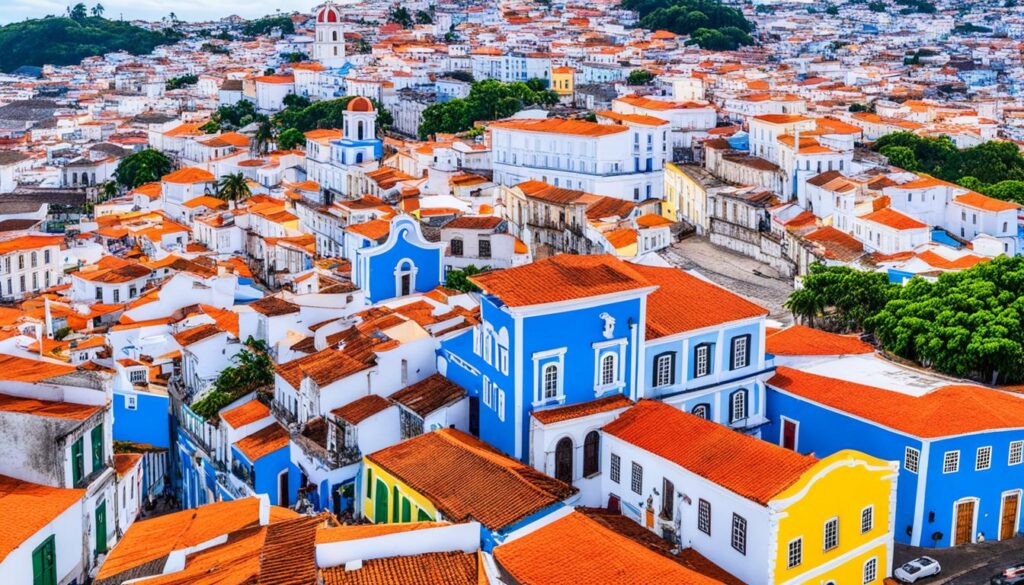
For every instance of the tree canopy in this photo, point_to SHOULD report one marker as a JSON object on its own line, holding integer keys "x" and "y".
{"x": 459, "y": 279}
{"x": 640, "y": 77}
{"x": 710, "y": 24}
{"x": 263, "y": 26}
{"x": 181, "y": 81}
{"x": 487, "y": 100}
{"x": 142, "y": 167}
{"x": 304, "y": 116}
{"x": 253, "y": 370}
{"x": 967, "y": 324}
{"x": 67, "y": 40}
{"x": 995, "y": 168}
{"x": 839, "y": 298}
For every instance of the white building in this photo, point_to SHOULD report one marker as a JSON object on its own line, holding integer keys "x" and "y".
{"x": 329, "y": 44}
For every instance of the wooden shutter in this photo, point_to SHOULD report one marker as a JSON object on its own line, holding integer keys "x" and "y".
{"x": 97, "y": 447}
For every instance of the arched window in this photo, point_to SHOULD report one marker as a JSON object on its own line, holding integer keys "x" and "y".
{"x": 738, "y": 405}
{"x": 550, "y": 381}
{"x": 359, "y": 130}
{"x": 608, "y": 369}
{"x": 563, "y": 460}
{"x": 702, "y": 410}
{"x": 334, "y": 36}
{"x": 591, "y": 453}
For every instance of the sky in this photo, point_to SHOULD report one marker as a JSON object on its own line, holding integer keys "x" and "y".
{"x": 192, "y": 10}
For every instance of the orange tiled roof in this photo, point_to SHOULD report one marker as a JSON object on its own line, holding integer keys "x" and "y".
{"x": 576, "y": 549}
{"x": 361, "y": 409}
{"x": 754, "y": 469}
{"x": 563, "y": 413}
{"x": 349, "y": 532}
{"x": 429, "y": 394}
{"x": 263, "y": 442}
{"x": 889, "y": 217}
{"x": 985, "y": 203}
{"x": 375, "y": 229}
{"x": 561, "y": 126}
{"x": 801, "y": 340}
{"x": 29, "y": 242}
{"x": 19, "y": 369}
{"x": 467, "y": 478}
{"x": 47, "y": 408}
{"x": 244, "y": 414}
{"x": 928, "y": 416}
{"x": 708, "y": 303}
{"x": 123, "y": 462}
{"x": 188, "y": 176}
{"x": 449, "y": 568}
{"x": 27, "y": 508}
{"x": 561, "y": 278}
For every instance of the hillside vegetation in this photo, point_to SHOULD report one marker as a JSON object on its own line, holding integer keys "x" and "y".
{"x": 65, "y": 41}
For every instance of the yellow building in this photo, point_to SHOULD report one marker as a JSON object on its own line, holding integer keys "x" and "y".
{"x": 387, "y": 499}
{"x": 562, "y": 80}
{"x": 686, "y": 194}
{"x": 835, "y": 523}
{"x": 765, "y": 514}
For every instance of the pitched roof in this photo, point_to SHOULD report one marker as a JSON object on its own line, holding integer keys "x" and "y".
{"x": 246, "y": 413}
{"x": 888, "y": 216}
{"x": 561, "y": 278}
{"x": 560, "y": 126}
{"x": 572, "y": 411}
{"x": 196, "y": 334}
{"x": 189, "y": 175}
{"x": 47, "y": 408}
{"x": 123, "y": 462}
{"x": 263, "y": 442}
{"x": 29, "y": 242}
{"x": 802, "y": 340}
{"x": 429, "y": 394}
{"x": 684, "y": 302}
{"x": 983, "y": 202}
{"x": 27, "y": 508}
{"x": 550, "y": 193}
{"x": 576, "y": 549}
{"x": 274, "y": 306}
{"x": 361, "y": 409}
{"x": 449, "y": 568}
{"x": 928, "y": 416}
{"x": 19, "y": 369}
{"x": 474, "y": 222}
{"x": 754, "y": 469}
{"x": 466, "y": 478}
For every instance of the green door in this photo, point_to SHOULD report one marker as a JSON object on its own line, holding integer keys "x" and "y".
{"x": 77, "y": 463}
{"x": 406, "y": 510}
{"x": 101, "y": 527}
{"x": 44, "y": 563}
{"x": 97, "y": 447}
{"x": 380, "y": 503}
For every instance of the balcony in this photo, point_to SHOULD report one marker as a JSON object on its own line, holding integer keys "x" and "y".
{"x": 313, "y": 443}
{"x": 282, "y": 414}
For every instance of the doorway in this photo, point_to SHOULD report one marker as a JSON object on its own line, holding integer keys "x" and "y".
{"x": 1008, "y": 520}
{"x": 964, "y": 522}
{"x": 789, "y": 429}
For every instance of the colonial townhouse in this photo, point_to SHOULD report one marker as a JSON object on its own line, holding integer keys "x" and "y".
{"x": 337, "y": 160}
{"x": 888, "y": 231}
{"x": 448, "y": 475}
{"x": 687, "y": 120}
{"x": 112, "y": 280}
{"x": 61, "y": 447}
{"x": 617, "y": 160}
{"x": 257, "y": 454}
{"x": 182, "y": 186}
{"x": 30, "y": 263}
{"x": 391, "y": 258}
{"x": 761, "y": 512}
{"x": 958, "y": 475}
{"x": 481, "y": 241}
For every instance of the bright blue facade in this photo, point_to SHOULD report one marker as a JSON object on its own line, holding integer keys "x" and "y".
{"x": 140, "y": 417}
{"x": 266, "y": 473}
{"x": 518, "y": 361}
{"x": 405, "y": 263}
{"x": 927, "y": 497}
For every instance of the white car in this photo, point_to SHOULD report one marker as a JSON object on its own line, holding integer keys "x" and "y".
{"x": 918, "y": 568}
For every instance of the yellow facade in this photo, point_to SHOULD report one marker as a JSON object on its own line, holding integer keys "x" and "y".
{"x": 562, "y": 79}
{"x": 383, "y": 491}
{"x": 673, "y": 179}
{"x": 837, "y": 490}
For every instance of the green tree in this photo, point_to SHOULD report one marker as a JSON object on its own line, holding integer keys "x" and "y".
{"x": 97, "y": 11}
{"x": 263, "y": 138}
{"x": 294, "y": 57}
{"x": 252, "y": 370}
{"x": 423, "y": 17}
{"x": 110, "y": 190}
{"x": 179, "y": 82}
{"x": 400, "y": 16}
{"x": 233, "y": 188}
{"x": 142, "y": 167}
{"x": 900, "y": 156}
{"x": 487, "y": 100}
{"x": 832, "y": 10}
{"x": 459, "y": 279}
{"x": 967, "y": 324}
{"x": 877, "y": 6}
{"x": 1006, "y": 190}
{"x": 839, "y": 298}
{"x": 77, "y": 12}
{"x": 327, "y": 114}
{"x": 640, "y": 77}
{"x": 290, "y": 139}
{"x": 268, "y": 24}
{"x": 296, "y": 101}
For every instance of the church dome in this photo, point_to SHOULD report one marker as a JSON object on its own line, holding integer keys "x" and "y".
{"x": 328, "y": 13}
{"x": 360, "y": 104}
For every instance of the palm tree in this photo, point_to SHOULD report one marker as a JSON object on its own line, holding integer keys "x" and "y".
{"x": 97, "y": 10}
{"x": 109, "y": 190}
{"x": 233, "y": 188}
{"x": 806, "y": 305}
{"x": 264, "y": 136}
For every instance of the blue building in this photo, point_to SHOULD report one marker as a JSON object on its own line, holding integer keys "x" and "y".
{"x": 959, "y": 446}
{"x": 144, "y": 419}
{"x": 262, "y": 461}
{"x": 573, "y": 329}
{"x": 359, "y": 142}
{"x": 404, "y": 263}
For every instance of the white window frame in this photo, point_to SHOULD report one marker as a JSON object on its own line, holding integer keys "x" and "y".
{"x": 663, "y": 370}
{"x": 616, "y": 468}
{"x": 1016, "y": 455}
{"x": 740, "y": 342}
{"x": 738, "y": 398}
{"x": 609, "y": 369}
{"x": 907, "y": 459}
{"x": 833, "y": 534}
{"x": 501, "y": 405}
{"x": 487, "y": 397}
{"x": 617, "y": 348}
{"x": 983, "y": 458}
{"x": 701, "y": 365}
{"x": 131, "y": 402}
{"x": 795, "y": 552}
{"x": 951, "y": 461}
{"x": 868, "y": 514}
{"x": 541, "y": 360}
{"x": 636, "y": 478}
{"x": 870, "y": 573}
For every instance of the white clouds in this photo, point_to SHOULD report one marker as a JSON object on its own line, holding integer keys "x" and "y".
{"x": 193, "y": 10}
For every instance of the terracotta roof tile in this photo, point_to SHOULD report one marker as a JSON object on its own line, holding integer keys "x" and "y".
{"x": 573, "y": 411}
{"x": 576, "y": 549}
{"x": 429, "y": 394}
{"x": 47, "y": 408}
{"x": 244, "y": 414}
{"x": 274, "y": 306}
{"x": 889, "y": 217}
{"x": 361, "y": 409}
{"x": 123, "y": 462}
{"x": 983, "y": 202}
{"x": 560, "y": 126}
{"x": 27, "y": 508}
{"x": 350, "y": 532}
{"x": 263, "y": 442}
{"x": 466, "y": 478}
{"x": 449, "y": 568}
{"x": 928, "y": 416}
{"x": 800, "y": 340}
{"x": 189, "y": 175}
{"x": 754, "y": 469}
{"x": 196, "y": 334}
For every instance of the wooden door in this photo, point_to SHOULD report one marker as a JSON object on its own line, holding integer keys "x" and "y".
{"x": 44, "y": 563}
{"x": 789, "y": 434}
{"x": 1008, "y": 524}
{"x": 406, "y": 285}
{"x": 101, "y": 527}
{"x": 380, "y": 503}
{"x": 964, "y": 523}
{"x": 563, "y": 460}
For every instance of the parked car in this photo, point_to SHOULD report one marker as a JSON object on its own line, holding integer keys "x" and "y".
{"x": 918, "y": 568}
{"x": 1009, "y": 576}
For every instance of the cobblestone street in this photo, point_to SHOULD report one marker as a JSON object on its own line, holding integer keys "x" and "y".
{"x": 742, "y": 275}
